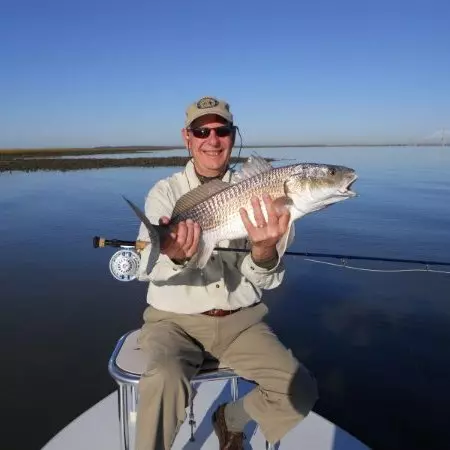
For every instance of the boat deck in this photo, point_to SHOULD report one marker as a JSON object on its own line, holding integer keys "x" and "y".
{"x": 98, "y": 428}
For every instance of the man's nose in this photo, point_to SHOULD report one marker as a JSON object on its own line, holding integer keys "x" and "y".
{"x": 213, "y": 139}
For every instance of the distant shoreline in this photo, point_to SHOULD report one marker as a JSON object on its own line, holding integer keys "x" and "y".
{"x": 32, "y": 160}
{"x": 69, "y": 165}
{"x": 105, "y": 150}
{"x": 44, "y": 152}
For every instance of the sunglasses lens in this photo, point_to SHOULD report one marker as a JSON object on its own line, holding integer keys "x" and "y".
{"x": 201, "y": 133}
{"x": 223, "y": 131}
{"x": 204, "y": 132}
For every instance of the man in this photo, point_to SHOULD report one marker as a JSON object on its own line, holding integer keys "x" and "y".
{"x": 217, "y": 310}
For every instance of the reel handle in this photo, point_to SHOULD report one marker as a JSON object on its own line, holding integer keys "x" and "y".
{"x": 101, "y": 242}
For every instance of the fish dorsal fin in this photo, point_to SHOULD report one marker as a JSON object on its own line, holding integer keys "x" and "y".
{"x": 198, "y": 195}
{"x": 253, "y": 166}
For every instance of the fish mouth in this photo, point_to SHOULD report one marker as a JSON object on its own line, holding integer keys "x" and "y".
{"x": 347, "y": 189}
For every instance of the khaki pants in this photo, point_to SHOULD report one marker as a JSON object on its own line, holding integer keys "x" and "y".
{"x": 175, "y": 345}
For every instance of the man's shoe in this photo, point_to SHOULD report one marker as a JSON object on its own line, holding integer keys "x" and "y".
{"x": 228, "y": 440}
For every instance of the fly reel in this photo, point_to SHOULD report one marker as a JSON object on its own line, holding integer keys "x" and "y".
{"x": 124, "y": 264}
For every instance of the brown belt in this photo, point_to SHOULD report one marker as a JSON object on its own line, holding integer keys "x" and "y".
{"x": 220, "y": 312}
{"x": 226, "y": 312}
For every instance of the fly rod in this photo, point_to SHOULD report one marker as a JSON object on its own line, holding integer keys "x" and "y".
{"x": 100, "y": 242}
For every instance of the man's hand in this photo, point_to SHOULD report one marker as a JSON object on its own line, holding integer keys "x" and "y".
{"x": 266, "y": 234}
{"x": 182, "y": 243}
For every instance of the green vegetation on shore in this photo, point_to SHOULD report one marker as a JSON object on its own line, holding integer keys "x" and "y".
{"x": 43, "y": 152}
{"x": 64, "y": 165}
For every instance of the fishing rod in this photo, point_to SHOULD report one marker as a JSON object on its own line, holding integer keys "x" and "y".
{"x": 127, "y": 260}
{"x": 140, "y": 245}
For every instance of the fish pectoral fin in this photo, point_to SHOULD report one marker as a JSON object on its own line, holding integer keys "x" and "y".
{"x": 205, "y": 249}
{"x": 288, "y": 187}
{"x": 282, "y": 203}
{"x": 300, "y": 205}
{"x": 286, "y": 239}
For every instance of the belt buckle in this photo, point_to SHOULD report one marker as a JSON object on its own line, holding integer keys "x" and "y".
{"x": 216, "y": 312}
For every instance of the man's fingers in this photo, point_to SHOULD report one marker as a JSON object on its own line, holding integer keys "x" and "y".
{"x": 181, "y": 234}
{"x": 169, "y": 245}
{"x": 164, "y": 220}
{"x": 189, "y": 235}
{"x": 272, "y": 217}
{"x": 283, "y": 221}
{"x": 247, "y": 223}
{"x": 257, "y": 211}
{"x": 196, "y": 239}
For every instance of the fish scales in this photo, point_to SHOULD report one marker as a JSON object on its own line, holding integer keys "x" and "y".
{"x": 224, "y": 206}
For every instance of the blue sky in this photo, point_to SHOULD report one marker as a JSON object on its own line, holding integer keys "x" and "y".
{"x": 97, "y": 72}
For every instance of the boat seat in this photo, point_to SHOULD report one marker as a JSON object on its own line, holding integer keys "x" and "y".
{"x": 126, "y": 365}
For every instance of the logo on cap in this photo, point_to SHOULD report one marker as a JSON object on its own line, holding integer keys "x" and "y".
{"x": 207, "y": 102}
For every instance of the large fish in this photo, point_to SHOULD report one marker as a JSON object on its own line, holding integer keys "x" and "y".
{"x": 302, "y": 188}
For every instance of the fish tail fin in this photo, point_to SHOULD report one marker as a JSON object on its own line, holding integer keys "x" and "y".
{"x": 154, "y": 232}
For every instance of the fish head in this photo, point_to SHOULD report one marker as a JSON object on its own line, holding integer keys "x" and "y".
{"x": 315, "y": 186}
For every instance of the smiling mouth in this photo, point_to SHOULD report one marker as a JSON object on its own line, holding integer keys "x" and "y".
{"x": 212, "y": 152}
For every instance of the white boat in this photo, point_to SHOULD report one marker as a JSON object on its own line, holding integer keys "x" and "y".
{"x": 101, "y": 427}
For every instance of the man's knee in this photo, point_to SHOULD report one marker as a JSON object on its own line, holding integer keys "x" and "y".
{"x": 165, "y": 370}
{"x": 303, "y": 390}
{"x": 165, "y": 374}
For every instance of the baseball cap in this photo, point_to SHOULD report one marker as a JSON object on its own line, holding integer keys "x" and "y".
{"x": 205, "y": 106}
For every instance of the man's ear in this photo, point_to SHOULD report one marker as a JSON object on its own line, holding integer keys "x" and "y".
{"x": 185, "y": 137}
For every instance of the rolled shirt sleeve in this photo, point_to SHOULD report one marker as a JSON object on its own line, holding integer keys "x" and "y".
{"x": 261, "y": 277}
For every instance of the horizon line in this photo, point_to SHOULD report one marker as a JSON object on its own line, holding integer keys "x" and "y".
{"x": 179, "y": 147}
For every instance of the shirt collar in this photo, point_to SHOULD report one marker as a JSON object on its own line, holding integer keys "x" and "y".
{"x": 189, "y": 171}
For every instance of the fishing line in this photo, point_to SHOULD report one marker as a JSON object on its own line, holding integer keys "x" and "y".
{"x": 240, "y": 148}
{"x": 343, "y": 265}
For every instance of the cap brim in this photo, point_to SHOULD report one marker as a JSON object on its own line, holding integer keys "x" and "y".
{"x": 211, "y": 111}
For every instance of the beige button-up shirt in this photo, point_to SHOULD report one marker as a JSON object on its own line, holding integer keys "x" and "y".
{"x": 230, "y": 280}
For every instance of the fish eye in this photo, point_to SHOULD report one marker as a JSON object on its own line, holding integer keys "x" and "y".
{"x": 332, "y": 171}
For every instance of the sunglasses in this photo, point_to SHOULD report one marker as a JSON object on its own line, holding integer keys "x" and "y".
{"x": 204, "y": 132}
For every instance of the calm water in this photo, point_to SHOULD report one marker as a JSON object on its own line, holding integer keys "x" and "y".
{"x": 378, "y": 343}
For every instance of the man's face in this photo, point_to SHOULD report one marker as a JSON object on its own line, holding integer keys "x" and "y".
{"x": 211, "y": 153}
